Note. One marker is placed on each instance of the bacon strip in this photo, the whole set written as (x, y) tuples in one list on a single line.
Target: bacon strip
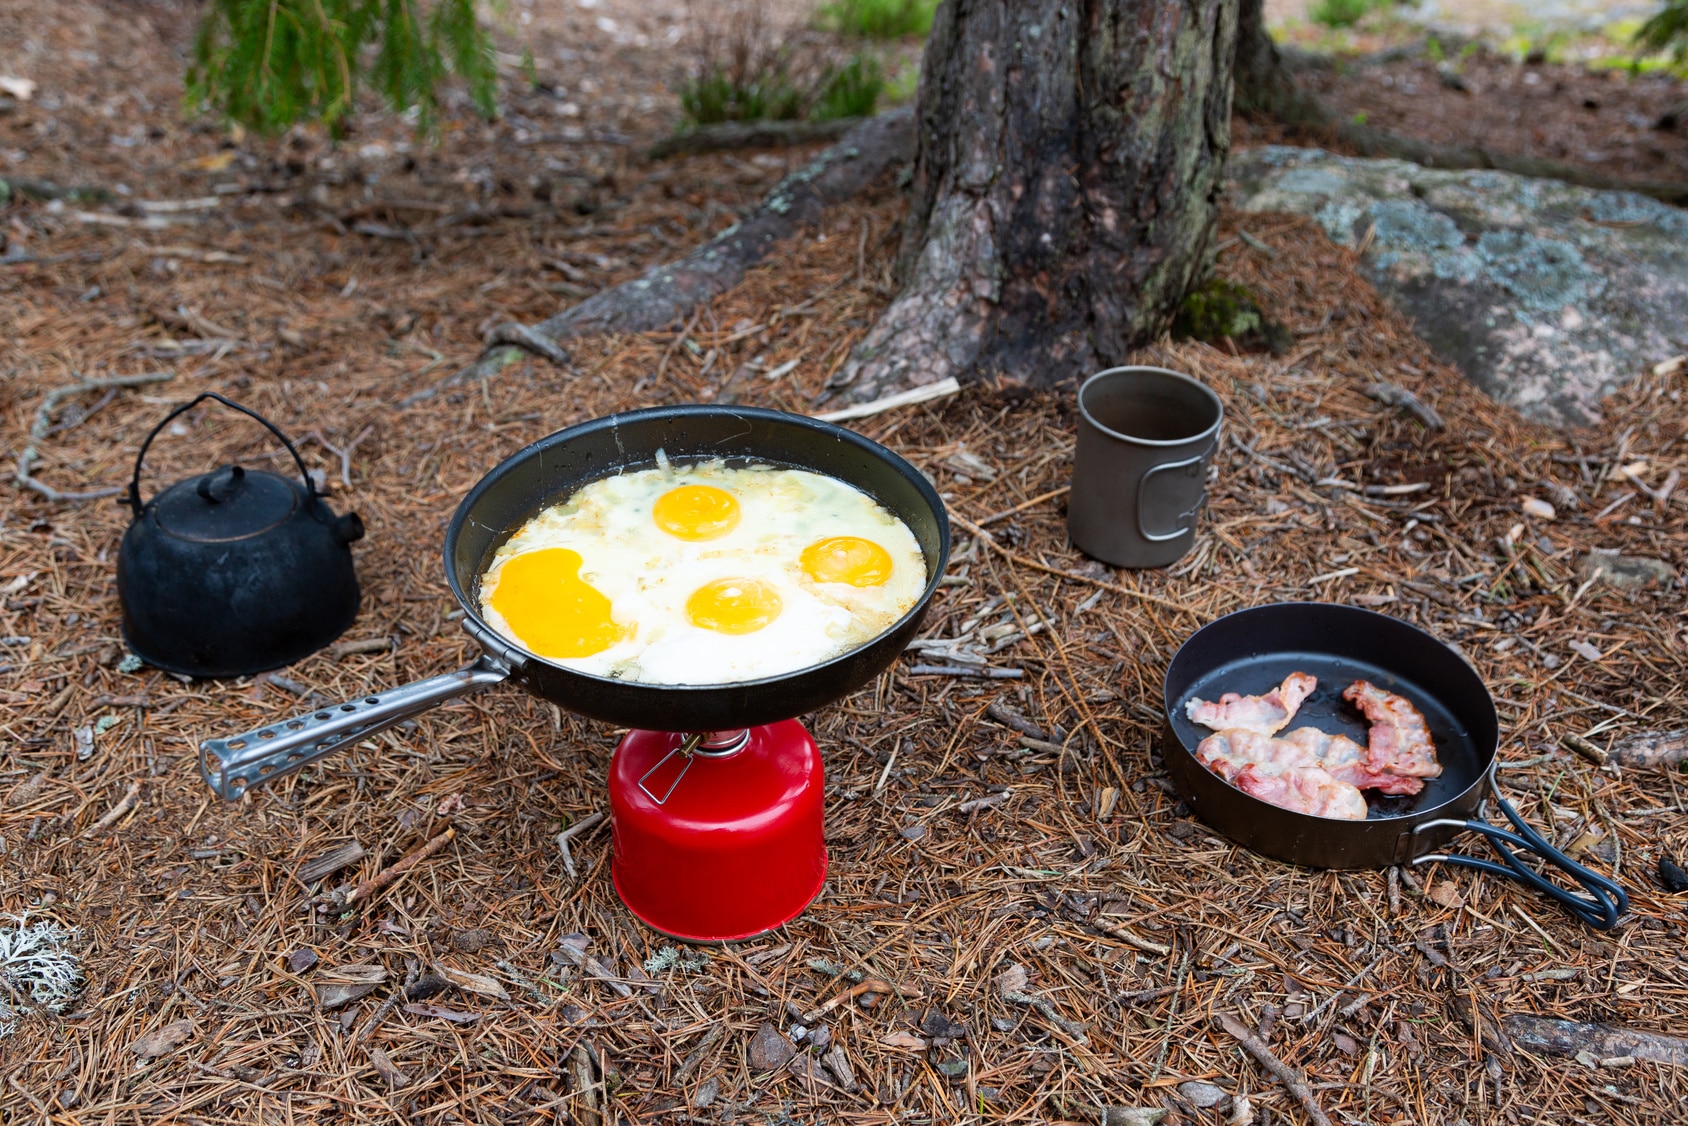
[(1313, 771), (1399, 743), (1349, 762), (1289, 772), (1263, 715)]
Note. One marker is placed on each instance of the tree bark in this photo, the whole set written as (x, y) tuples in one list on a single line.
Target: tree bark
[(1068, 166), (1264, 85)]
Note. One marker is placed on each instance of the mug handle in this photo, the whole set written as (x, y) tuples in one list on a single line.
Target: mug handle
[(1187, 515)]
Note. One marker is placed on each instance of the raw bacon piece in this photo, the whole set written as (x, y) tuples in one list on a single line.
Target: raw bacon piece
[(1399, 743), (1305, 789), (1349, 762), (1263, 715), (1287, 772), (1337, 755)]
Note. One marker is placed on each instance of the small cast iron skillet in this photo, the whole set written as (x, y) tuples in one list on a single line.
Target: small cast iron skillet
[(1251, 652), (547, 472)]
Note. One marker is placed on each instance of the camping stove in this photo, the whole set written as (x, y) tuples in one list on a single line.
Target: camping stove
[(718, 836)]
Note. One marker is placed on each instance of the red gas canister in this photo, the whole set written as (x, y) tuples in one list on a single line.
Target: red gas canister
[(720, 840)]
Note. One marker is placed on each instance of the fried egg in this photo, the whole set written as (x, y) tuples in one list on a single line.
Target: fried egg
[(703, 574)]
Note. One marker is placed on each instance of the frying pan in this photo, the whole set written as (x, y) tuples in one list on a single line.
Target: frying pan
[(546, 472), (1251, 651)]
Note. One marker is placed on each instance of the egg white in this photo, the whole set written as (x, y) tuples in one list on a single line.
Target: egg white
[(648, 574)]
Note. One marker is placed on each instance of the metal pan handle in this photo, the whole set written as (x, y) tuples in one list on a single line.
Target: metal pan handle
[(1606, 901), (233, 765)]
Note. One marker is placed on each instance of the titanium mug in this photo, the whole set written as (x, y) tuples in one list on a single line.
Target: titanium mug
[(1145, 437)]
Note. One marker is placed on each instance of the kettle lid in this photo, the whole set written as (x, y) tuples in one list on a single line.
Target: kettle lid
[(225, 505)]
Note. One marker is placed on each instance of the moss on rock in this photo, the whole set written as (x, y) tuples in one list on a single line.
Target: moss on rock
[(1220, 310)]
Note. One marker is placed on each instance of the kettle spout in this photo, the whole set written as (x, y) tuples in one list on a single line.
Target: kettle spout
[(348, 528)]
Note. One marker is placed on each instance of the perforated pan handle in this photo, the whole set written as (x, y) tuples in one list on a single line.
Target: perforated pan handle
[(235, 764)]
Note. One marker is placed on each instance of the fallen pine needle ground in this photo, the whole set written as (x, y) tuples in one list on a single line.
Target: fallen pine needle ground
[(1022, 922)]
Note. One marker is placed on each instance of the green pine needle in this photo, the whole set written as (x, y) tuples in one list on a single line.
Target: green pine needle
[(269, 64)]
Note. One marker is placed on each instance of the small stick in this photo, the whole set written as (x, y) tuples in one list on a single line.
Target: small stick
[(1131, 938), (1256, 243), (939, 390), (344, 453), (1007, 512), (965, 671), (867, 985), (375, 885), (1008, 717), (1331, 1000), (43, 426), (698, 1053), (128, 802), (1047, 1008), (1661, 495), (573, 831), (375, 1020), (886, 773), (342, 649), (1171, 1015), (1584, 748), (1280, 1070)]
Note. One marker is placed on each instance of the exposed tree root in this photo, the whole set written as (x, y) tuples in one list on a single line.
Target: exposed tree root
[(750, 135), (1266, 87), (936, 328), (1376, 142), (665, 294)]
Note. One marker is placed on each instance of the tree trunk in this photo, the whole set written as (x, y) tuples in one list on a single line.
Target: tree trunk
[(1068, 166), (1264, 85)]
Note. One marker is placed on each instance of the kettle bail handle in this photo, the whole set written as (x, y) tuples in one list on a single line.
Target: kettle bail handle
[(133, 499)]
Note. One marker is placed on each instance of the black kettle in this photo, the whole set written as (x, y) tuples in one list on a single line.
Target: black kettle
[(235, 571)]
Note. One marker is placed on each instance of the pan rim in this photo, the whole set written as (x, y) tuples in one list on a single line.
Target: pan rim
[(1404, 824), (935, 573)]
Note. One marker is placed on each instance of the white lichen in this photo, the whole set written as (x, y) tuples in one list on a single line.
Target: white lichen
[(37, 968), (673, 958)]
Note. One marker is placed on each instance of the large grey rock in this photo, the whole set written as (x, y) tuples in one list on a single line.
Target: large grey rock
[(1547, 296)]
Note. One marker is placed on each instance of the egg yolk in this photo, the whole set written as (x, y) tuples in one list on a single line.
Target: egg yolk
[(733, 605), (696, 512), (550, 608), (847, 559)]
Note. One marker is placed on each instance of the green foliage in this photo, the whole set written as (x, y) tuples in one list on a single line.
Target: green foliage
[(1667, 30), (1343, 13), (904, 85), (853, 90), (880, 19), (719, 95), (1221, 310), (270, 63), (771, 90)]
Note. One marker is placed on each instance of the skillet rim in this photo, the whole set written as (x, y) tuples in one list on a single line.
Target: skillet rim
[(909, 620), (1363, 836)]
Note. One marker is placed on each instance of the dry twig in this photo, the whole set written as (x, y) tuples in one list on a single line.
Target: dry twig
[(1285, 1074)]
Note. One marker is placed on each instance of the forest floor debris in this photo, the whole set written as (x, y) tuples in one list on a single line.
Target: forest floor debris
[(1073, 861)]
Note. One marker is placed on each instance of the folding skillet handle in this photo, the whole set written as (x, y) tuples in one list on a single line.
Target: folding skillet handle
[(1602, 907), (233, 765)]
